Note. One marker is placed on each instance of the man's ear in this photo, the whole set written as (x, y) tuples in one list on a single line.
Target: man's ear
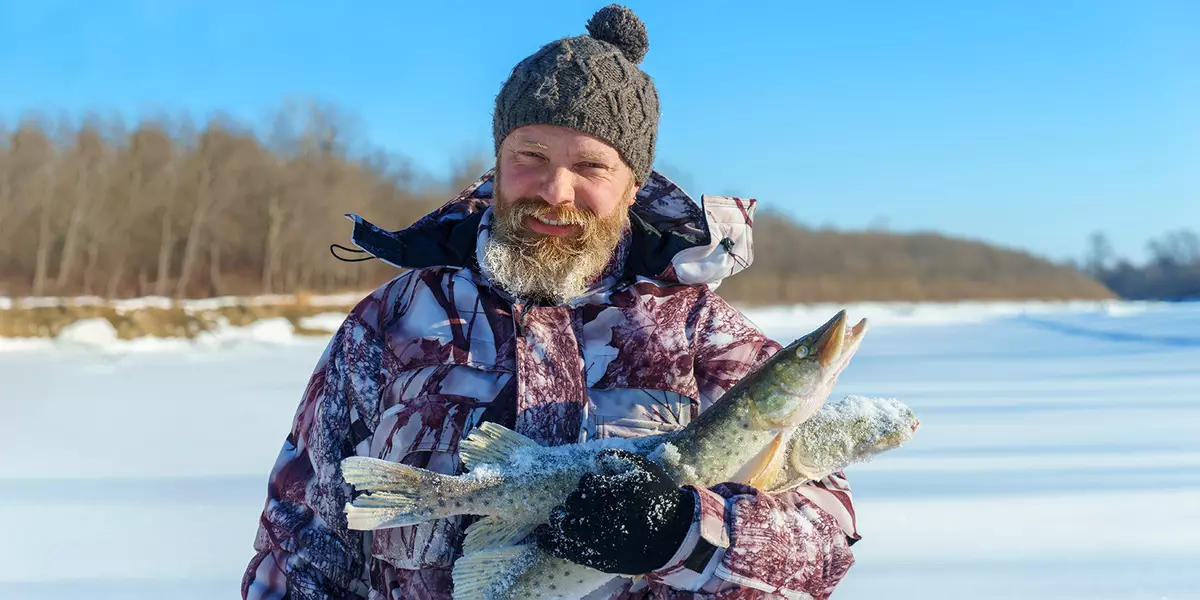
[(633, 191)]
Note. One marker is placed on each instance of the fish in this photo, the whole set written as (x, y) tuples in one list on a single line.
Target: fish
[(844, 432), (514, 483)]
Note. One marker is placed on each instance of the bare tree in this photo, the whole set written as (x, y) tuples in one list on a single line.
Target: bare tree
[(1175, 248), (86, 168), (31, 173), (1099, 254)]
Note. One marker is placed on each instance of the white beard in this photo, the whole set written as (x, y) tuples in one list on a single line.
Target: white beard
[(512, 266), (534, 268)]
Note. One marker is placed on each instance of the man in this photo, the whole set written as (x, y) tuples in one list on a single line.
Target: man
[(568, 296)]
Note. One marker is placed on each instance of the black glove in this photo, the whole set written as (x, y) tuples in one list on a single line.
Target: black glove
[(630, 519)]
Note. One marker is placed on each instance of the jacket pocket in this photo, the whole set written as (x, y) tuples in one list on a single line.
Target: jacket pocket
[(628, 413)]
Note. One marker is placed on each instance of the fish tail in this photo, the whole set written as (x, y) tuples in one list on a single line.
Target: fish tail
[(382, 510), (374, 474), (399, 495)]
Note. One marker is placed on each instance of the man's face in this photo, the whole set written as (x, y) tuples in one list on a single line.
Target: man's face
[(563, 169), (561, 201)]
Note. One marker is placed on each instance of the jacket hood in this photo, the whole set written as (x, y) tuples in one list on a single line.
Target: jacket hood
[(673, 239)]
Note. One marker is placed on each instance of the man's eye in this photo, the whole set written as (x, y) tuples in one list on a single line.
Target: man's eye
[(592, 165), (529, 154)]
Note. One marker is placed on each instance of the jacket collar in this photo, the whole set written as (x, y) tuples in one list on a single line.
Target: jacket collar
[(672, 239)]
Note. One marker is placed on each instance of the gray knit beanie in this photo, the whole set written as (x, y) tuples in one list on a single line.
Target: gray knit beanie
[(590, 83)]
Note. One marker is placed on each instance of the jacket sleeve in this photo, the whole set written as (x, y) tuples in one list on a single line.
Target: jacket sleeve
[(745, 543), (303, 548)]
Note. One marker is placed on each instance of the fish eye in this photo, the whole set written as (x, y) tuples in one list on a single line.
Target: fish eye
[(801, 351)]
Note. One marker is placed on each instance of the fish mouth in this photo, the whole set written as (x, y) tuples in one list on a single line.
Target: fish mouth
[(831, 338), (835, 341)]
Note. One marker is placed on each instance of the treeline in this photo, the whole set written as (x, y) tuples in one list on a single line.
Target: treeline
[(168, 208), (794, 264), (1172, 271)]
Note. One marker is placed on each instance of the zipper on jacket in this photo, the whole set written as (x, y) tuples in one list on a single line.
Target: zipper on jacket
[(520, 320)]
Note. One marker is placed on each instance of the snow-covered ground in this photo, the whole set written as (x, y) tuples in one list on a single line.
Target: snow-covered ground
[(1059, 455)]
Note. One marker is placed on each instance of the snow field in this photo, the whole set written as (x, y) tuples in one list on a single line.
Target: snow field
[(1058, 456)]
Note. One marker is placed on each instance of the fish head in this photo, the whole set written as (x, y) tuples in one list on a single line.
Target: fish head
[(900, 428), (887, 425), (795, 382), (900, 435)]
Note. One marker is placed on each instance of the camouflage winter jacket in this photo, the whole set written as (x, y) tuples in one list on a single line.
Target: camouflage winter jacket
[(431, 354)]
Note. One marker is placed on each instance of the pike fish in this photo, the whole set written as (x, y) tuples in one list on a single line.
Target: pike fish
[(844, 432), (514, 483)]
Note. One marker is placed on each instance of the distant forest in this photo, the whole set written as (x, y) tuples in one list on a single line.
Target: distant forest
[(169, 207), (1171, 273)]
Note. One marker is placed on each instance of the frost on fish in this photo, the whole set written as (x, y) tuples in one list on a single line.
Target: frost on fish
[(851, 430), (666, 454)]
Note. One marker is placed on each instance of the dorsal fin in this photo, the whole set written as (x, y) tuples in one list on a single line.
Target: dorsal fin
[(491, 443)]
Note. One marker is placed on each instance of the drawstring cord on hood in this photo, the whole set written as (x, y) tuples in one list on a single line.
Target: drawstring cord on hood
[(355, 250), (728, 245)]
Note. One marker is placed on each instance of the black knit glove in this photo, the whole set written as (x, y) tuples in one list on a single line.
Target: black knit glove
[(630, 519)]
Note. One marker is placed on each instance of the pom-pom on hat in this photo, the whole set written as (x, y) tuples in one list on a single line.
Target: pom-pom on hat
[(590, 83)]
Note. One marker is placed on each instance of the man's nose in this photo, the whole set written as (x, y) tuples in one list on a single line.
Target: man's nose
[(558, 188)]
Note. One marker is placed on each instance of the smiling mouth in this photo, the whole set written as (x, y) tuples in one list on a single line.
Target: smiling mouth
[(546, 221)]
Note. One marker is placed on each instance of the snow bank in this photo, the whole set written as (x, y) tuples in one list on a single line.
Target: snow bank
[(26, 345), (89, 332), (328, 322), (97, 333), (132, 304)]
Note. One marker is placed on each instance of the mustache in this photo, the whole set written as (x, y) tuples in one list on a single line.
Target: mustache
[(533, 206)]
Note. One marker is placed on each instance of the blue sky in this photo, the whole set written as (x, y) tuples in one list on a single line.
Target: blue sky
[(1027, 124)]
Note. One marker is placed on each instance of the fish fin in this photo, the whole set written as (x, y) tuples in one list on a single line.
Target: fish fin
[(491, 443), (493, 532), (475, 574), (494, 573), (366, 473), (773, 469), (764, 468), (374, 512), (394, 500)]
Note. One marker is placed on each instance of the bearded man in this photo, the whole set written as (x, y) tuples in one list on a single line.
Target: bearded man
[(568, 295)]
